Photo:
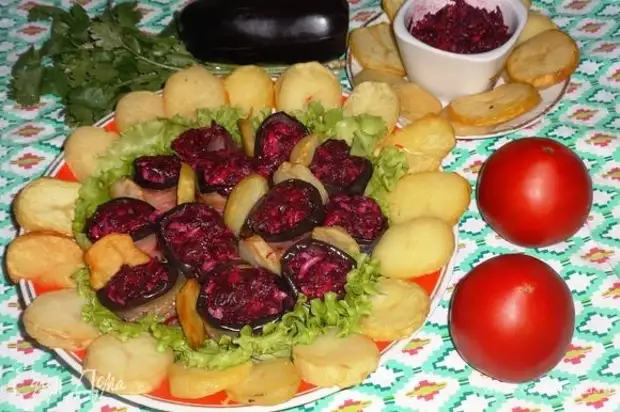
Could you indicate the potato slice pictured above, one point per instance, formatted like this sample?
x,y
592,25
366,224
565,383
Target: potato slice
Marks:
x,y
248,135
391,7
546,59
191,322
443,195
193,88
46,257
257,252
377,99
303,152
303,83
133,367
125,187
194,383
54,319
108,254
333,361
338,237
415,102
186,189
250,88
414,248
47,204
536,24
269,383
138,107
398,309
242,199
374,48
297,171
83,148
373,75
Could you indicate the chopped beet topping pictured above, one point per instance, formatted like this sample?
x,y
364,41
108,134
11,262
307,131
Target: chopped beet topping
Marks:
x,y
121,215
157,172
462,28
220,171
316,267
333,165
192,144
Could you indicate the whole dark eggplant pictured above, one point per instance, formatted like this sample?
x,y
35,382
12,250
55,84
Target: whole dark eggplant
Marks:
x,y
265,31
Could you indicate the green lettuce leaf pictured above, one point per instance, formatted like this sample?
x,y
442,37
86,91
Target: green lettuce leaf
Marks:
x,y
389,166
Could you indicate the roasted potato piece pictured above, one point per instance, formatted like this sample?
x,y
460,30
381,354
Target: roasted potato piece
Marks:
x,y
45,257
536,24
303,152
54,319
414,248
83,148
398,309
374,48
333,361
338,237
377,99
191,322
257,252
108,254
137,107
250,88
193,88
303,83
437,194
415,102
269,383
241,200
47,204
194,383
297,171
125,187
373,75
186,189
248,135
132,367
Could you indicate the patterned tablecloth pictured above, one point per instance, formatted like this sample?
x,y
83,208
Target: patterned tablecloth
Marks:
x,y
428,374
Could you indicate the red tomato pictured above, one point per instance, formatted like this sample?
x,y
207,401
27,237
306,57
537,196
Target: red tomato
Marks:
x,y
534,192
512,318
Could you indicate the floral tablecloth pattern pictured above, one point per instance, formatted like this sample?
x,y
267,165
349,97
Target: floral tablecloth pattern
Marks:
x,y
428,374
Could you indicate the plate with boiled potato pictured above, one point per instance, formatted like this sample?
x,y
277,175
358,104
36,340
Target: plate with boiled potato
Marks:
x,y
240,242
535,77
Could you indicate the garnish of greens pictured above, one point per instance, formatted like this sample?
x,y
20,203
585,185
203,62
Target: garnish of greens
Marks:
x,y
89,63
308,319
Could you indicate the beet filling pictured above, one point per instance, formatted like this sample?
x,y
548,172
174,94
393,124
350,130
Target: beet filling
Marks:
x,y
221,171
157,172
121,215
359,215
195,238
339,172
133,286
235,295
316,267
290,209
193,144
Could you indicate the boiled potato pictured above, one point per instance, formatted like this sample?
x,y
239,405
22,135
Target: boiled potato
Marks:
x,y
288,171
373,75
414,248
258,253
138,107
303,151
186,188
439,194
536,23
194,383
416,102
125,187
377,99
269,383
250,88
398,309
193,88
84,147
527,3
54,319
191,322
132,367
46,257
337,237
334,361
248,135
242,199
303,83
47,204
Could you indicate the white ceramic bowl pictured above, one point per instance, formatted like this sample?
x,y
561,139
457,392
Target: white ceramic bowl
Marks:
x,y
448,75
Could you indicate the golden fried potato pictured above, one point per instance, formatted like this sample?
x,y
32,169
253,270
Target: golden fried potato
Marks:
x,y
258,253
399,308
133,367
186,189
373,75
527,2
303,83
414,248
297,171
334,361
391,7
194,383
83,148
443,195
242,199
47,204
54,319
138,107
338,237
250,88
303,151
546,59
191,322
108,254
269,383
374,48
536,24
377,99
504,103
415,102
45,257
193,88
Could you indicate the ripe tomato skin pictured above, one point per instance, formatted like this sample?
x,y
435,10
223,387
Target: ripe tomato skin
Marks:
x,y
512,318
534,192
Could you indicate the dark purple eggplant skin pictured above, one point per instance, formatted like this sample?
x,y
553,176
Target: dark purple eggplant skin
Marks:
x,y
266,31
140,164
103,209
